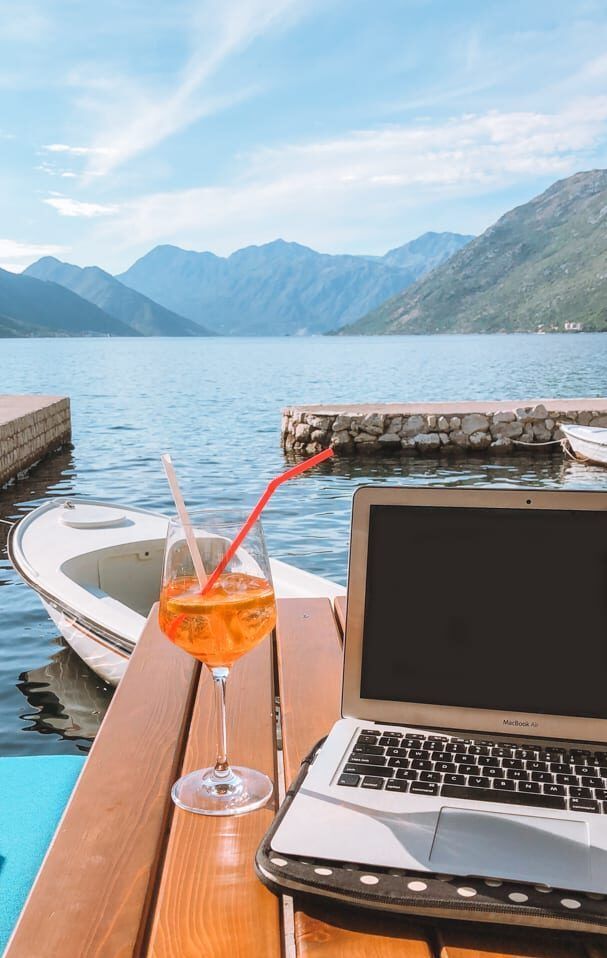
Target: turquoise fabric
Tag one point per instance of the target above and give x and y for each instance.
(33, 794)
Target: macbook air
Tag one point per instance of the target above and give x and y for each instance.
(473, 737)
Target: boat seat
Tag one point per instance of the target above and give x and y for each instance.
(33, 793)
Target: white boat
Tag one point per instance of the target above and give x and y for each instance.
(97, 567)
(588, 443)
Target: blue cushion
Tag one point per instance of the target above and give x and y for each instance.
(33, 793)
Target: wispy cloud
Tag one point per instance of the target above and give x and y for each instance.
(15, 256)
(318, 189)
(66, 206)
(147, 117)
(77, 150)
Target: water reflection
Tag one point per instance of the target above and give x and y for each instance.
(66, 698)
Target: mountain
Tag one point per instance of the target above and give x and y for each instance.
(30, 307)
(115, 299)
(542, 265)
(281, 288)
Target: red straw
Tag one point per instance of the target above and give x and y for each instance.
(270, 490)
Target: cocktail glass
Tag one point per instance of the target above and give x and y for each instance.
(217, 627)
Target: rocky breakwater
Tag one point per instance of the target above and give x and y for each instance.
(497, 428)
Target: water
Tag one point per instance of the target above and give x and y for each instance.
(215, 404)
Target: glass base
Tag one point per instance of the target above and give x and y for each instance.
(206, 793)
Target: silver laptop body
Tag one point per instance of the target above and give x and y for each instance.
(475, 654)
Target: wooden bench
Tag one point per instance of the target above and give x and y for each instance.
(128, 874)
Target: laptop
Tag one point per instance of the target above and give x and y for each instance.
(473, 737)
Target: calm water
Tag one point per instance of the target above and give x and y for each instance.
(215, 404)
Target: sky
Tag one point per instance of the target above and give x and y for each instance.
(346, 125)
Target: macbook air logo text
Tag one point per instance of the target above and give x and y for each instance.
(517, 723)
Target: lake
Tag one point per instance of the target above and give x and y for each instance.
(215, 405)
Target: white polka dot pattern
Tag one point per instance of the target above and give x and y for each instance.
(417, 885)
(323, 871)
(518, 896)
(466, 892)
(278, 861)
(571, 903)
(369, 879)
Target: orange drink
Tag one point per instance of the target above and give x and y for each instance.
(224, 623)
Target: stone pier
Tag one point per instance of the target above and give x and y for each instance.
(30, 428)
(496, 428)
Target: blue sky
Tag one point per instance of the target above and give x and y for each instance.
(348, 126)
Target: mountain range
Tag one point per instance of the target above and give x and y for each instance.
(539, 267)
(94, 285)
(282, 289)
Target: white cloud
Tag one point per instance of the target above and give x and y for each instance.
(78, 150)
(337, 189)
(16, 256)
(66, 206)
(147, 117)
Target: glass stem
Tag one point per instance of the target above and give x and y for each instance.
(222, 768)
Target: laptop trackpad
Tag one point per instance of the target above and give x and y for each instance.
(520, 847)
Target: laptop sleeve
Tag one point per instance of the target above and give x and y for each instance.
(421, 893)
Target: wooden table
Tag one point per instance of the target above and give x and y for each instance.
(128, 874)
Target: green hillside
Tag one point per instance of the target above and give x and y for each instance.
(542, 265)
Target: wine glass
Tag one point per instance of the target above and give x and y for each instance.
(217, 627)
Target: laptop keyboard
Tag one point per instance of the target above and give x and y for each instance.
(482, 770)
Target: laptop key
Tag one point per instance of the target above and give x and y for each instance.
(476, 781)
(537, 766)
(399, 762)
(513, 763)
(418, 753)
(503, 785)
(388, 740)
(577, 791)
(429, 777)
(517, 774)
(478, 750)
(451, 767)
(530, 788)
(369, 731)
(542, 777)
(348, 779)
(407, 773)
(492, 772)
(397, 752)
(583, 805)
(442, 757)
(421, 765)
(364, 759)
(554, 790)
(414, 735)
(586, 770)
(367, 740)
(488, 760)
(589, 781)
(355, 769)
(561, 768)
(456, 779)
(370, 781)
(423, 788)
(601, 794)
(396, 785)
(568, 780)
(512, 798)
(368, 750)
(468, 769)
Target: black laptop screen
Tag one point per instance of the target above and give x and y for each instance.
(487, 608)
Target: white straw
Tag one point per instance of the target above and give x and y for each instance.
(190, 538)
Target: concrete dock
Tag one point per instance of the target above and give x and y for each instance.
(31, 427)
(498, 428)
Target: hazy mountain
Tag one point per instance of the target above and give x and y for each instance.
(30, 307)
(281, 288)
(541, 265)
(115, 299)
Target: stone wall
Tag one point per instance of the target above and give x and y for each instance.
(497, 428)
(30, 428)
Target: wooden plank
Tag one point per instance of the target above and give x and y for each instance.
(309, 669)
(481, 941)
(210, 902)
(340, 612)
(95, 886)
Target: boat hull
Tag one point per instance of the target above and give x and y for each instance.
(587, 444)
(91, 645)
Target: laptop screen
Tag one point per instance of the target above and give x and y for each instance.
(487, 608)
